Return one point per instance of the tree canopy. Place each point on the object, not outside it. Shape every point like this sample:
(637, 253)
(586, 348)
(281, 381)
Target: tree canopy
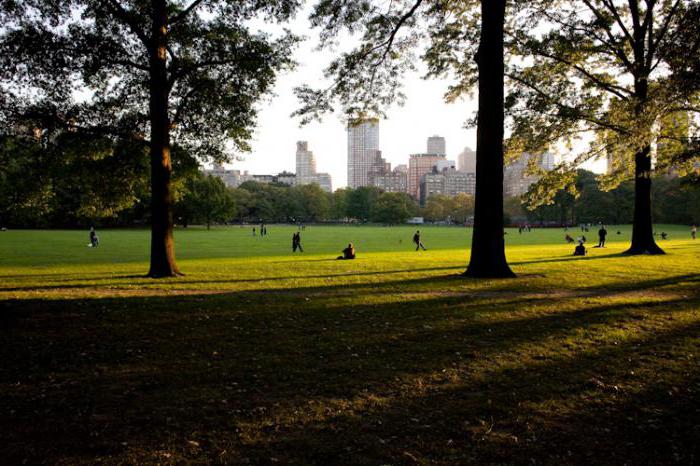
(162, 73)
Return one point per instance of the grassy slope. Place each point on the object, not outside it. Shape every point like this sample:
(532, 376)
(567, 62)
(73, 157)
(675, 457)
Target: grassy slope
(258, 356)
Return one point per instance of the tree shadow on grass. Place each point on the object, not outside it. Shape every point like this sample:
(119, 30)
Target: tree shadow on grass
(568, 258)
(262, 374)
(179, 281)
(586, 408)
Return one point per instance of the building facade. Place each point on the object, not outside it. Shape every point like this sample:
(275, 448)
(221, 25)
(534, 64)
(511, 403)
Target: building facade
(390, 181)
(420, 165)
(449, 182)
(306, 163)
(363, 150)
(325, 182)
(466, 161)
(436, 145)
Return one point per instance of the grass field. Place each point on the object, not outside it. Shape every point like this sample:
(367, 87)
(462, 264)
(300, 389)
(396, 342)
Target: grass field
(259, 356)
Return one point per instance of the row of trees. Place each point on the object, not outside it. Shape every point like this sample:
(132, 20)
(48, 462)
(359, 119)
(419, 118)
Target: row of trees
(676, 200)
(607, 71)
(163, 74)
(207, 200)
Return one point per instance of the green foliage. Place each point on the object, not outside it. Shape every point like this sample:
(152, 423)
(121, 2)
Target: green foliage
(367, 79)
(441, 208)
(66, 179)
(392, 208)
(676, 200)
(601, 75)
(207, 200)
(217, 67)
(360, 202)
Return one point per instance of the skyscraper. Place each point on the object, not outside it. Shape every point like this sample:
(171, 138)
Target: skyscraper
(436, 145)
(363, 150)
(466, 161)
(306, 163)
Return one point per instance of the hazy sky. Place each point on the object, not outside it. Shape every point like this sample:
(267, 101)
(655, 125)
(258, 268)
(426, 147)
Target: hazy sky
(404, 132)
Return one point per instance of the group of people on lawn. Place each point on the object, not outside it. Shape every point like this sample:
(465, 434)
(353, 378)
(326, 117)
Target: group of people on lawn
(349, 252)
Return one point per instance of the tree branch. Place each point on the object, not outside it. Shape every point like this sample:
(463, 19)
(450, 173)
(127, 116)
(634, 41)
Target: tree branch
(180, 16)
(126, 17)
(620, 53)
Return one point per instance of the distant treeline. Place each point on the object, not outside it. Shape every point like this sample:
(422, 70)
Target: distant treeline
(675, 200)
(39, 189)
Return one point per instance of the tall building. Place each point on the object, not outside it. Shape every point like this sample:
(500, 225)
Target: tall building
(306, 163)
(306, 169)
(363, 149)
(466, 161)
(436, 145)
(418, 166)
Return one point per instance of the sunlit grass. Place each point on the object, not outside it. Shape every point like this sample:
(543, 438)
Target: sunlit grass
(259, 356)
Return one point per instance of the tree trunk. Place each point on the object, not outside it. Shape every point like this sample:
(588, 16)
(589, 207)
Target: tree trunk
(162, 242)
(488, 259)
(642, 227)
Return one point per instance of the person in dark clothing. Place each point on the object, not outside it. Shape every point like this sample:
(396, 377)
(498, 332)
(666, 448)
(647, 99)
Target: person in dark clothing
(602, 233)
(664, 235)
(417, 241)
(348, 253)
(296, 242)
(580, 250)
(568, 238)
(94, 240)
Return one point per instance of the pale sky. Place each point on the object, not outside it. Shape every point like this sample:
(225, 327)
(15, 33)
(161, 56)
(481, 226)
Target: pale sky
(404, 132)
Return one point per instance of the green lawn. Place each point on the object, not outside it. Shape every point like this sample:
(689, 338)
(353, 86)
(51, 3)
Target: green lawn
(259, 356)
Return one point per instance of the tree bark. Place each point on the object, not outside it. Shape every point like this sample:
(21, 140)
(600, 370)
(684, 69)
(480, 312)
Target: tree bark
(642, 227)
(162, 242)
(488, 259)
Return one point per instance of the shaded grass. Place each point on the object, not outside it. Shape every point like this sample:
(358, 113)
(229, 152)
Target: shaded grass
(390, 359)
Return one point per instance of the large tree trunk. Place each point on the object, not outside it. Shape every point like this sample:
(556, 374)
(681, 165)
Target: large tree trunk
(642, 227)
(488, 259)
(162, 242)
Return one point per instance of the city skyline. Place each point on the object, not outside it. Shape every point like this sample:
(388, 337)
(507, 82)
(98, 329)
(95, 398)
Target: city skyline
(404, 130)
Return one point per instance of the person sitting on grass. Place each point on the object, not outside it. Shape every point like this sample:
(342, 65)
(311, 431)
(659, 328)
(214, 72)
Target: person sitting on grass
(348, 253)
(580, 250)
(568, 238)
